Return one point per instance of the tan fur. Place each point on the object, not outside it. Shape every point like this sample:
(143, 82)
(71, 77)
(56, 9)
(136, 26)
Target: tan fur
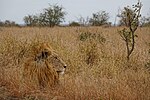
(39, 69)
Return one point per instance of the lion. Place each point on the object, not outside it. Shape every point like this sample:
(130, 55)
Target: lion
(44, 66)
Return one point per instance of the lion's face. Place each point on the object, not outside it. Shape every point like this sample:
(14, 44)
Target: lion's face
(58, 64)
(47, 53)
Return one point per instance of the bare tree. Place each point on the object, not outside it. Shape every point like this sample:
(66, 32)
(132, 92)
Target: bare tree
(83, 21)
(28, 20)
(145, 21)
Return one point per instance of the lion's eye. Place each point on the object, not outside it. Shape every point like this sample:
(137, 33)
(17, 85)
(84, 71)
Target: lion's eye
(46, 53)
(56, 57)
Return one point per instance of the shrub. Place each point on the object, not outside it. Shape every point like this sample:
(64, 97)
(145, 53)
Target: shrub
(89, 46)
(74, 24)
(84, 36)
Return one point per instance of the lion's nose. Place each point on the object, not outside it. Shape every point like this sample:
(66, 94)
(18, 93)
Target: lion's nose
(65, 66)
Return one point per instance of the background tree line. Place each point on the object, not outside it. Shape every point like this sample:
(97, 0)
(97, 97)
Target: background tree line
(51, 16)
(54, 15)
(8, 23)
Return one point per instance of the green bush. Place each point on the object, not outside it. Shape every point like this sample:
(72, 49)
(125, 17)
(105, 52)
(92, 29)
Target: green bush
(92, 36)
(74, 24)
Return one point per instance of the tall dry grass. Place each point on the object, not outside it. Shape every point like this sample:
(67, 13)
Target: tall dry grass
(96, 70)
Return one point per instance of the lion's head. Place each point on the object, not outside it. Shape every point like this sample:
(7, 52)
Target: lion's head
(45, 51)
(44, 66)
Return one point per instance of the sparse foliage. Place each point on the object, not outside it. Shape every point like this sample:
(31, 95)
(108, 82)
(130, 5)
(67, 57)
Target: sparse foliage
(28, 20)
(83, 21)
(130, 17)
(31, 20)
(124, 16)
(99, 18)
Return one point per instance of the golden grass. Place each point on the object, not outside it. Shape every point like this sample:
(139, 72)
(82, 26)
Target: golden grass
(109, 77)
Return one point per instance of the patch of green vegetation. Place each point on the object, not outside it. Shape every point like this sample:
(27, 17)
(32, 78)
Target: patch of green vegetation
(84, 36)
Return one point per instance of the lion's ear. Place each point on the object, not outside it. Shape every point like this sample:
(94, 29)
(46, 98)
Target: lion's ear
(46, 53)
(42, 55)
(46, 45)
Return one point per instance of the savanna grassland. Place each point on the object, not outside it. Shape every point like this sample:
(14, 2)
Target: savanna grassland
(97, 68)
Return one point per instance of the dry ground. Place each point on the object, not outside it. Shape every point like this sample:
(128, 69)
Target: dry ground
(97, 67)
